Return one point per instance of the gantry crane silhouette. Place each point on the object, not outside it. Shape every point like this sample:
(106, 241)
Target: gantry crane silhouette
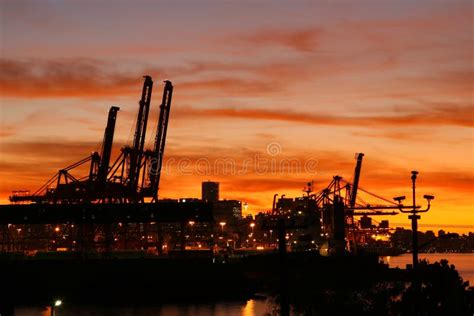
(133, 177)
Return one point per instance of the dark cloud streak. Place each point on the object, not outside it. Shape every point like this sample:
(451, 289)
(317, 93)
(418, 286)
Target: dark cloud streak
(457, 115)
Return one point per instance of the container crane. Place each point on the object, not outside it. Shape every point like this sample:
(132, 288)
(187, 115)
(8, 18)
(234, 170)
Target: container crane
(124, 181)
(63, 187)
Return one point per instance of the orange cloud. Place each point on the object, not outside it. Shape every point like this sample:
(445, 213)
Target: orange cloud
(441, 181)
(241, 170)
(81, 77)
(63, 78)
(7, 131)
(230, 86)
(303, 40)
(458, 115)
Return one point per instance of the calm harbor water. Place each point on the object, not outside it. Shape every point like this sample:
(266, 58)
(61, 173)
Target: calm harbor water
(464, 264)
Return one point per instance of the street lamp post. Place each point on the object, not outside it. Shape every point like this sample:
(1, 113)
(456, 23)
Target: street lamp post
(191, 233)
(414, 226)
(414, 216)
(222, 227)
(54, 306)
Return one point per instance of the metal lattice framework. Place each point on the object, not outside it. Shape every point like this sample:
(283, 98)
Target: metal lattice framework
(133, 177)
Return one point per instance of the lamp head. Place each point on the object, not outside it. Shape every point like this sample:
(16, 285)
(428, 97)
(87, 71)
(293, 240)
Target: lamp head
(428, 197)
(414, 174)
(399, 199)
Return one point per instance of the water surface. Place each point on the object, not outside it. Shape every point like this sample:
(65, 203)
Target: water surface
(464, 262)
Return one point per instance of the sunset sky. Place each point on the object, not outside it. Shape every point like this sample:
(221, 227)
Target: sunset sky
(318, 81)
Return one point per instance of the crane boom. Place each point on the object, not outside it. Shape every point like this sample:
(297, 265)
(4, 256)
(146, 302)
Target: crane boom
(160, 139)
(107, 146)
(139, 136)
(355, 184)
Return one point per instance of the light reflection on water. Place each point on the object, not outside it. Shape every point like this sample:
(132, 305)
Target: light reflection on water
(249, 308)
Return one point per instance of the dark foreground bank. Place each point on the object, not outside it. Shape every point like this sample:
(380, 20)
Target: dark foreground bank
(316, 285)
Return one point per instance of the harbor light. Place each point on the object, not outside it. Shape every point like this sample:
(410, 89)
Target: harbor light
(54, 305)
(222, 226)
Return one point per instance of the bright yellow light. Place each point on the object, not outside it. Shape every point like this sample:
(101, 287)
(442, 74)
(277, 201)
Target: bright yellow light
(260, 248)
(252, 225)
(57, 229)
(249, 308)
(381, 237)
(191, 223)
(58, 303)
(222, 224)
